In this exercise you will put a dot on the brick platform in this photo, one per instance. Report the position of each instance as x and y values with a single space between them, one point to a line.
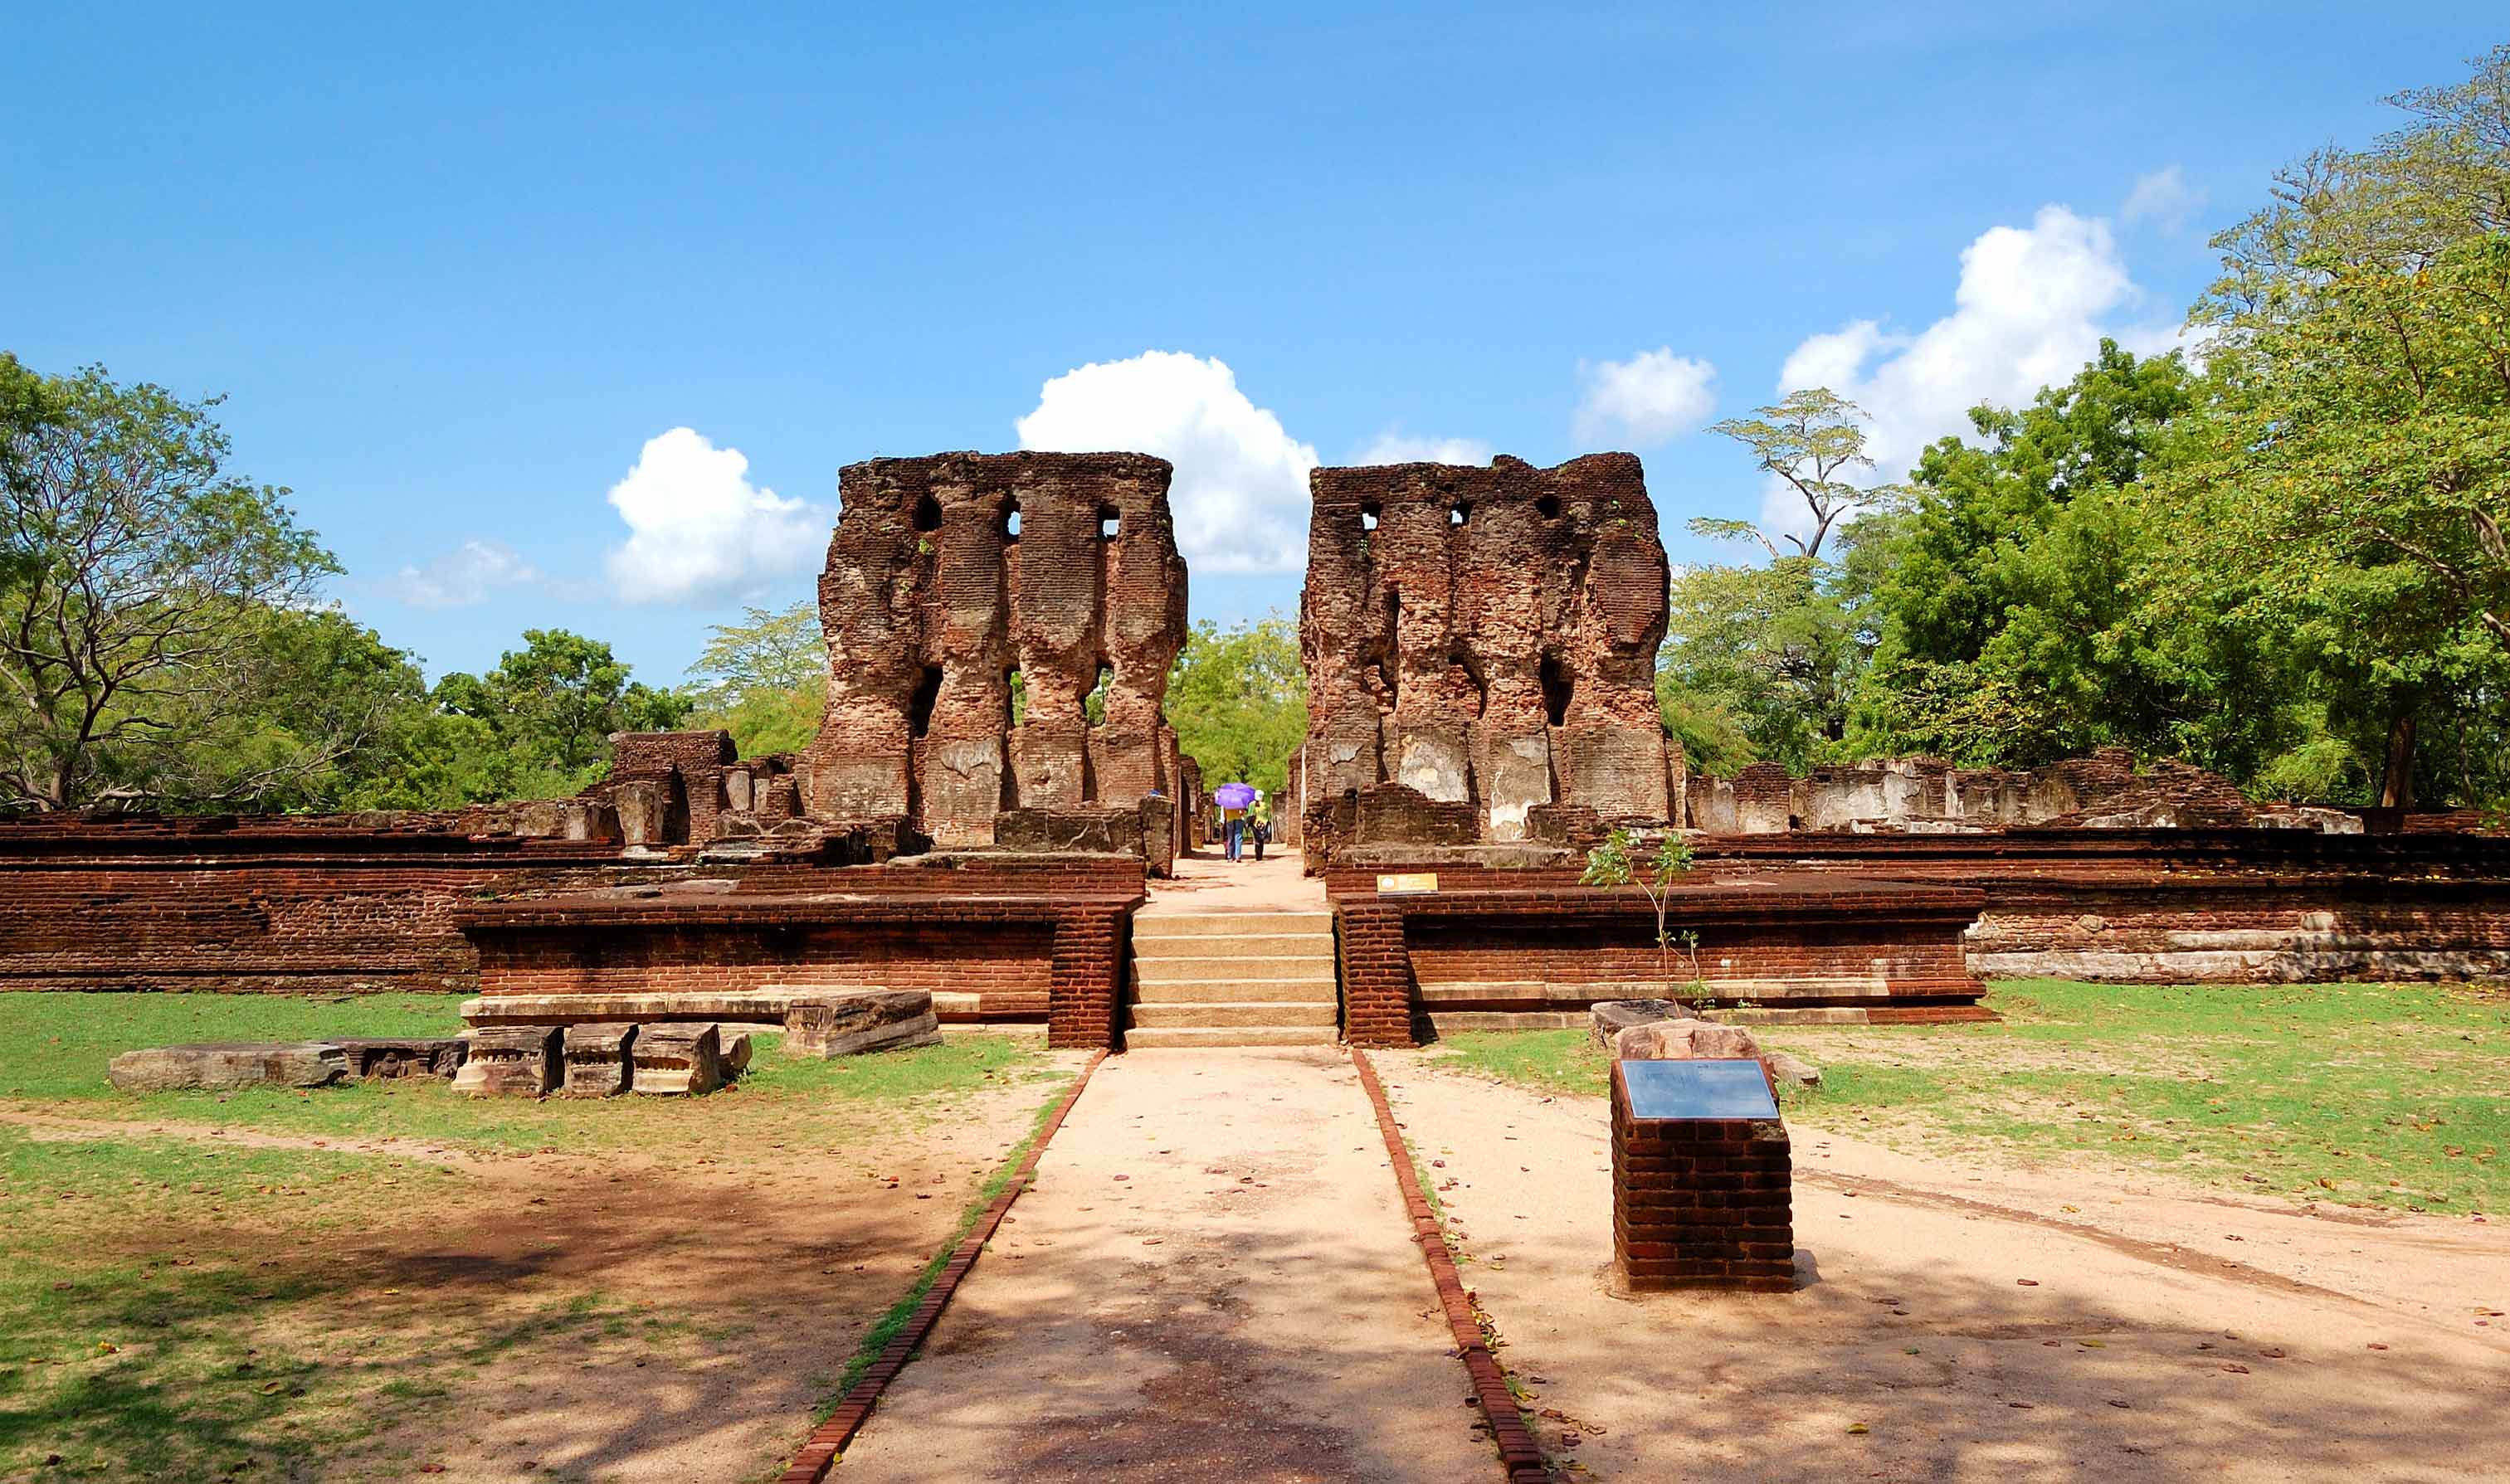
1700 1202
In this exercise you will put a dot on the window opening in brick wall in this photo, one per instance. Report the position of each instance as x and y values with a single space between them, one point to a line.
1557 690
927 513
1010 520
1110 522
1460 513
1549 507
1018 689
1094 707
1369 510
1462 658
918 706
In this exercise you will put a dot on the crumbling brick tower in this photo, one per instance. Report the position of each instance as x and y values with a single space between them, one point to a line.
1487 636
951 574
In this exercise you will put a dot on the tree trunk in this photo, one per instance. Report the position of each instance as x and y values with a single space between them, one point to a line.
2397 783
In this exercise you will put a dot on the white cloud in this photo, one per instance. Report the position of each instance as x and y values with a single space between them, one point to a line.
2164 198
1652 397
2032 306
1398 448
1239 498
699 531
464 577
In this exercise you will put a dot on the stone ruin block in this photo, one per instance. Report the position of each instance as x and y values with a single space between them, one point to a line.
409 1056
873 1020
226 1065
1106 830
1487 637
948 576
732 1050
671 1059
597 1059
511 1061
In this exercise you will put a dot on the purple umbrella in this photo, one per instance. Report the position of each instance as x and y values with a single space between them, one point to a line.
1234 797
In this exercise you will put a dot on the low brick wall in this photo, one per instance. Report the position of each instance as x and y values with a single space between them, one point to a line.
990 959
1882 950
2148 906
1701 1202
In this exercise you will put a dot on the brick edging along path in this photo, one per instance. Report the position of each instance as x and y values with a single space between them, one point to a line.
1517 1452
820 1453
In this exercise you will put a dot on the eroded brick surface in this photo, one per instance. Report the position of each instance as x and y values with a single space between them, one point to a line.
1485 637
931 602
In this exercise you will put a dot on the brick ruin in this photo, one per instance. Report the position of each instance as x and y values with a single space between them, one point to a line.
1480 643
955 580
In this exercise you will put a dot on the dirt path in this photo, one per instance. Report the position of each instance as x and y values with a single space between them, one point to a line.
2163 1332
1206 881
1211 1279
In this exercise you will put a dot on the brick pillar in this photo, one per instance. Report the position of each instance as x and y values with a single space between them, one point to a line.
1701 1202
1082 990
1375 974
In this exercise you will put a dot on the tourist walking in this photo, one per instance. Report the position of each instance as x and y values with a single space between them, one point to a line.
1261 826
1236 801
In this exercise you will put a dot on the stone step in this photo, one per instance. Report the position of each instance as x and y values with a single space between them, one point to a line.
1170 969
1264 1013
1247 945
1237 991
1228 924
1163 1037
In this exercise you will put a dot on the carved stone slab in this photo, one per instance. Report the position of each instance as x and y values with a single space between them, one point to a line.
874 1020
678 1059
223 1065
598 1061
510 1061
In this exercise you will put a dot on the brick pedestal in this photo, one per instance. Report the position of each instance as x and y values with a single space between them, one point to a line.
1700 1202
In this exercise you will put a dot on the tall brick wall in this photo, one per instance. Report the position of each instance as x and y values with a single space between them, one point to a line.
931 600
1486 637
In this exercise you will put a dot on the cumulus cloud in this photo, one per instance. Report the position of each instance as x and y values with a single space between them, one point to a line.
2031 308
464 577
2164 198
1241 492
699 531
1652 397
1396 447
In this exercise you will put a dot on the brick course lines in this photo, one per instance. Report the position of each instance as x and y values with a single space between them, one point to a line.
1517 1453
820 1453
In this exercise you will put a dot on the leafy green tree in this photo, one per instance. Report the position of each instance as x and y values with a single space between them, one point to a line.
555 702
1238 701
1773 652
2352 483
137 576
765 680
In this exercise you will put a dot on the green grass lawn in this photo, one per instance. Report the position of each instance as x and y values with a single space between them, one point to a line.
2375 1094
158 1309
53 1050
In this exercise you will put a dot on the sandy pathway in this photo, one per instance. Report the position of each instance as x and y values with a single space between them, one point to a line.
2166 1332
1211 1279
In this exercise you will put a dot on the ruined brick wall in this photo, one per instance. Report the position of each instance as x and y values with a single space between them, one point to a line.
271 906
949 573
1487 637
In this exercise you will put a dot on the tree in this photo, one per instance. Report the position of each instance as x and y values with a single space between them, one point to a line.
555 702
136 574
765 680
2351 487
1809 442
1237 699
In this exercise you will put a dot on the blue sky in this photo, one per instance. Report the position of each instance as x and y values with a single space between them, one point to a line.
463 277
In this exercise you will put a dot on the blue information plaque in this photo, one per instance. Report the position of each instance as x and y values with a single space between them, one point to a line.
1698 1089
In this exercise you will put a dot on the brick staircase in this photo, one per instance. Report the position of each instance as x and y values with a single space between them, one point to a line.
1232 979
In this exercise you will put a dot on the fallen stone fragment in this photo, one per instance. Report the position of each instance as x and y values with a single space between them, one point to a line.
511 1061
873 1020
397 1057
1610 1017
1684 1040
1790 1072
673 1059
220 1066
732 1048
598 1061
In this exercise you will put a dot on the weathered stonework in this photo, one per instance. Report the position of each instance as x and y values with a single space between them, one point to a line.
1922 795
876 1021
511 1061
222 1066
948 575
678 1059
1486 638
598 1061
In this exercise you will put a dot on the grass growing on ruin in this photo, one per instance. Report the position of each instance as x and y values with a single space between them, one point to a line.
53 1050
2380 1094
